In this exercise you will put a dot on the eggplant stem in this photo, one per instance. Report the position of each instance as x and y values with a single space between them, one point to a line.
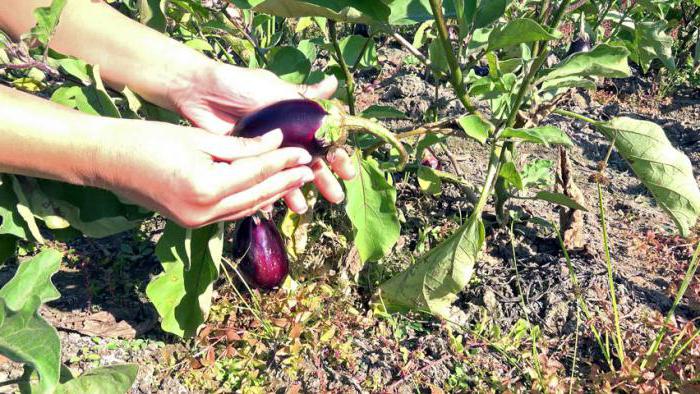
356 124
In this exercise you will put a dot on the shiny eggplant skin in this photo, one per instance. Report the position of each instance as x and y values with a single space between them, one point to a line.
263 257
299 119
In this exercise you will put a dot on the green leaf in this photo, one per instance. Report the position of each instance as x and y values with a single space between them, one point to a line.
152 13
603 61
92 99
8 247
357 11
510 173
199 45
547 135
113 379
475 127
489 11
538 173
96 213
76 68
359 50
11 223
519 31
25 337
429 181
33 279
433 282
46 21
664 170
290 64
560 199
371 207
438 59
383 112
651 42
309 49
183 297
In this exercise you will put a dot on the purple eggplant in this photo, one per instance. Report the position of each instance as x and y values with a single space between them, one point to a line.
580 44
263 257
481 71
315 125
429 160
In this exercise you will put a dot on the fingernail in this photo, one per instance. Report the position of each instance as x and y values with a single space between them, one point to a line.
308 177
341 198
304 158
272 135
303 210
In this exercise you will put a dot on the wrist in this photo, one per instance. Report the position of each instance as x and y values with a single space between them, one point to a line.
186 79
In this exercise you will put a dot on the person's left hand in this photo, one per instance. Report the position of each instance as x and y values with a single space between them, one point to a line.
219 95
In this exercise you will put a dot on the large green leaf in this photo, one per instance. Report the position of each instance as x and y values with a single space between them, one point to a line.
664 170
46 21
651 42
432 283
603 61
290 64
359 50
358 11
95 212
519 31
26 337
92 99
547 135
371 207
33 278
191 261
113 379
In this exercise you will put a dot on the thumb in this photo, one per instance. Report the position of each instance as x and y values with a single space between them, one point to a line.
323 90
229 148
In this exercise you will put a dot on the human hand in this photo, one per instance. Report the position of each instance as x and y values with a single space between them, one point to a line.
195 177
221 94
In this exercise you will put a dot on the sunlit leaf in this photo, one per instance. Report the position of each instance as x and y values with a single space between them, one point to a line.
183 297
371 207
664 170
519 31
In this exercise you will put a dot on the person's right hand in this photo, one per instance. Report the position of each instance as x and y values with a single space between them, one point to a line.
195 177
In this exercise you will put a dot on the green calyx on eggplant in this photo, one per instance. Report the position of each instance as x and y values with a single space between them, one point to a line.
315 125
260 248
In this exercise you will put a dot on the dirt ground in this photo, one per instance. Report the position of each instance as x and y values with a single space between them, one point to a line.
344 346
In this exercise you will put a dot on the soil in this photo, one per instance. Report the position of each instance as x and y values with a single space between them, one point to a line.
110 275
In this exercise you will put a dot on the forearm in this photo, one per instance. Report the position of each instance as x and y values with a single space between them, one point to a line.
42 139
129 54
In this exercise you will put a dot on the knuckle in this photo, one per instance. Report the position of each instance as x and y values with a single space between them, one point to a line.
203 192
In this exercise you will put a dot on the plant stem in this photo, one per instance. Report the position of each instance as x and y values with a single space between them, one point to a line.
456 78
619 344
689 275
349 80
602 17
356 124
619 23
574 115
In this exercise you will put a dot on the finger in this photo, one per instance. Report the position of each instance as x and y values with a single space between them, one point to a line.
296 201
228 148
212 120
264 193
246 212
341 164
248 172
267 208
324 89
327 184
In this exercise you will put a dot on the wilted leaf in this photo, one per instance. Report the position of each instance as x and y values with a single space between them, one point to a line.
433 282
664 170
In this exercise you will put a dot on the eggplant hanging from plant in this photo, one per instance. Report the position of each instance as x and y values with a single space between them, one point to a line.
582 43
315 125
263 257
